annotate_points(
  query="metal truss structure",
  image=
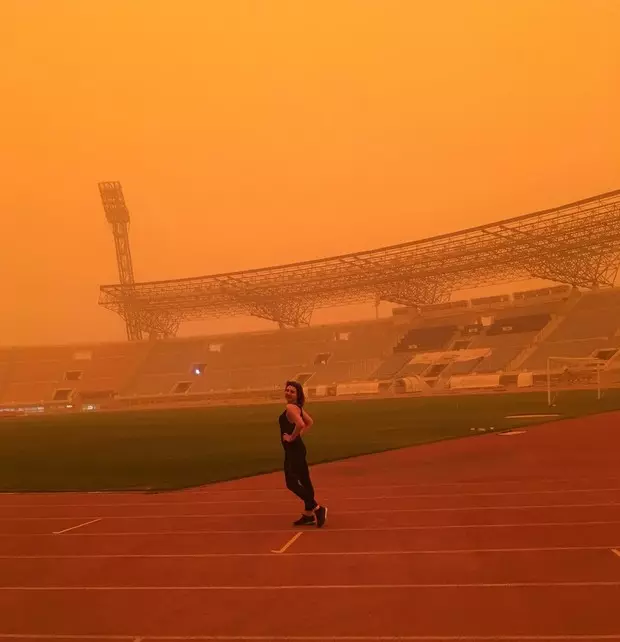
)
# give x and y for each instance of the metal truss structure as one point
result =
(117, 215)
(577, 244)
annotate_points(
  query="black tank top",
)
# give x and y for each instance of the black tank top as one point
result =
(286, 428)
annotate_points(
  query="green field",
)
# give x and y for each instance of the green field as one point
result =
(170, 449)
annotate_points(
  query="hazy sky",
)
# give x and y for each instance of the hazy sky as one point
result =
(248, 133)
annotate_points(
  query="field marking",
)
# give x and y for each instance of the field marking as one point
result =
(511, 433)
(216, 488)
(454, 509)
(448, 551)
(289, 543)
(315, 638)
(317, 587)
(331, 530)
(73, 636)
(390, 638)
(530, 416)
(73, 528)
(615, 551)
(510, 493)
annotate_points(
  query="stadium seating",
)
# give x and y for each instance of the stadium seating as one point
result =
(228, 362)
(573, 349)
(391, 367)
(65, 373)
(414, 369)
(525, 323)
(338, 371)
(590, 325)
(33, 374)
(356, 352)
(460, 368)
(109, 367)
(426, 339)
(505, 338)
(265, 360)
(506, 335)
(174, 357)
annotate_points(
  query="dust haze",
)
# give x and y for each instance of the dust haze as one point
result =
(247, 134)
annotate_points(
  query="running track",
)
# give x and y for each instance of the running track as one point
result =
(499, 537)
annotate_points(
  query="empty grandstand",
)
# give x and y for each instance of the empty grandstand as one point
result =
(589, 330)
(429, 345)
(505, 343)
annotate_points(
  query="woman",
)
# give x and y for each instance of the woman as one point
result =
(294, 422)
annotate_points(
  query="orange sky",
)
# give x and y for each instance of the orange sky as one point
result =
(248, 133)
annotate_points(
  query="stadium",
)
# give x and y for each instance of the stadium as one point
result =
(434, 343)
(142, 479)
(311, 321)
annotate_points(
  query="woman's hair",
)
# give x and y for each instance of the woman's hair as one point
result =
(301, 396)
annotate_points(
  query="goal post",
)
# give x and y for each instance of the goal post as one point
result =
(579, 364)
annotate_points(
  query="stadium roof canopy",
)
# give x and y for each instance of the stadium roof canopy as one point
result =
(577, 244)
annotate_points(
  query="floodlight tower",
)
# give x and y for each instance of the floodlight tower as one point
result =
(117, 214)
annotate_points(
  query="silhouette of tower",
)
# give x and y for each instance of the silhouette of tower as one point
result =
(117, 216)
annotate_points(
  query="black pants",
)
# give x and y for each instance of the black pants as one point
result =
(297, 474)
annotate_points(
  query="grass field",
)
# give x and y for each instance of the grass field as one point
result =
(169, 449)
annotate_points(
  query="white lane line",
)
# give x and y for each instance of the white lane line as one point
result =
(529, 416)
(214, 490)
(447, 527)
(616, 551)
(459, 509)
(72, 636)
(319, 587)
(410, 638)
(332, 498)
(218, 488)
(449, 551)
(317, 638)
(389, 638)
(289, 543)
(73, 528)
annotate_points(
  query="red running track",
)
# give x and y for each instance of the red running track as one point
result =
(491, 538)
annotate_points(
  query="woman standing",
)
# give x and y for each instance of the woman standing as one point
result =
(294, 422)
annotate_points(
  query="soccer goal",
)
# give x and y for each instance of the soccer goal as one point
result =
(561, 369)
